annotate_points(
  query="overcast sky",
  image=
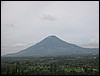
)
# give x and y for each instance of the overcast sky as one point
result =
(24, 23)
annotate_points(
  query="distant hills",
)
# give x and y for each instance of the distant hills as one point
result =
(53, 46)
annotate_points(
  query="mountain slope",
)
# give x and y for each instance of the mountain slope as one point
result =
(53, 46)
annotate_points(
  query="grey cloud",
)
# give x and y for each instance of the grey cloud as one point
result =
(48, 17)
(10, 25)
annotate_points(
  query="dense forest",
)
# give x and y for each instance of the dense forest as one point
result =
(60, 65)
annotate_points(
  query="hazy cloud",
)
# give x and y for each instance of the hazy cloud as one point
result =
(13, 48)
(19, 44)
(48, 17)
(10, 25)
(92, 43)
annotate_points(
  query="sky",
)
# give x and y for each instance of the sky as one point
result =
(24, 23)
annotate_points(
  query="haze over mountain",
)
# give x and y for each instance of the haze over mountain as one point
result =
(74, 21)
(53, 46)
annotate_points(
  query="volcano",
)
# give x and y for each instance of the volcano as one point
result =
(53, 46)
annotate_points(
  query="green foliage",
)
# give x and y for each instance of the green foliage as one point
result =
(65, 65)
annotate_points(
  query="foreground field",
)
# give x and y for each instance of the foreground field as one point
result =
(62, 65)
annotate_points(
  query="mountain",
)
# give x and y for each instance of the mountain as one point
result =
(53, 46)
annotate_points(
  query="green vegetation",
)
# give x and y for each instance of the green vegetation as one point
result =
(61, 65)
